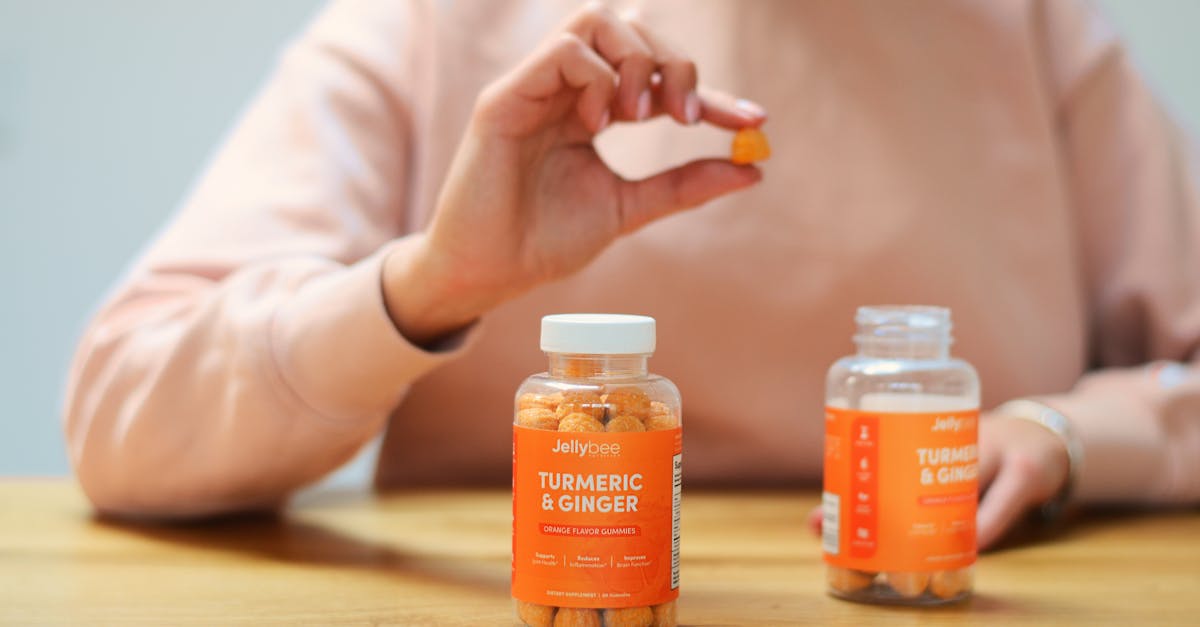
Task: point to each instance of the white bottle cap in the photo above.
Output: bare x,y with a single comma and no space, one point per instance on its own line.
598,334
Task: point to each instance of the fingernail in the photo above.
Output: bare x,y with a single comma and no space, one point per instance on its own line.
750,108
604,119
643,105
691,108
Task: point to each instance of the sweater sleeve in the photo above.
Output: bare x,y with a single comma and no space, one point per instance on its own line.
248,352
1134,188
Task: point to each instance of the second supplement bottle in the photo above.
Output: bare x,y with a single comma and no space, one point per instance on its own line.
901,462
597,444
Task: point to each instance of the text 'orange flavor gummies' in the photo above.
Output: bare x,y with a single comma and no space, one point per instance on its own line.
750,145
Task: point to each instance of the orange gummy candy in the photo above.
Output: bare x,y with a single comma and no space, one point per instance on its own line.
750,145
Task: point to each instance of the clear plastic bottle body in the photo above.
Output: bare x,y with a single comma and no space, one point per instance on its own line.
895,372
587,393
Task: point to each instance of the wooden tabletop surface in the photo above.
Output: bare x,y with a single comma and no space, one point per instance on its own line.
442,558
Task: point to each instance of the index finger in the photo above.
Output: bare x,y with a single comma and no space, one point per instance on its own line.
725,111
721,109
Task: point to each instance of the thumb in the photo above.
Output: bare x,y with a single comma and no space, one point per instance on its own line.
1006,499
680,188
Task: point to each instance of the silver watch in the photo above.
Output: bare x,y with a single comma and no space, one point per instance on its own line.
1056,422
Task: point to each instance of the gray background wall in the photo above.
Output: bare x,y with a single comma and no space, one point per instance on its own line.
108,109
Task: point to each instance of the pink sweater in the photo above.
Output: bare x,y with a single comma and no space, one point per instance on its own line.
1000,158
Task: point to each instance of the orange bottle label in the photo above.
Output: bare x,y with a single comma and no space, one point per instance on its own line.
596,517
900,490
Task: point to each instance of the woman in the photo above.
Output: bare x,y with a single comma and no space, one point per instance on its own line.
419,182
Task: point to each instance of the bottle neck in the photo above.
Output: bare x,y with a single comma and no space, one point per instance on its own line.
893,349
903,332
574,366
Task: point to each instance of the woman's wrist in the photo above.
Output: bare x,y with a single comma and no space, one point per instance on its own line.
1058,424
425,299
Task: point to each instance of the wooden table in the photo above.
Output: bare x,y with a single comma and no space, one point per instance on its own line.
442,558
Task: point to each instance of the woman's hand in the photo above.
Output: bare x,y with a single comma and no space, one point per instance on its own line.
1021,465
528,200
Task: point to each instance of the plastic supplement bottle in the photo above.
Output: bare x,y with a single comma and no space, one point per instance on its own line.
901,462
596,479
